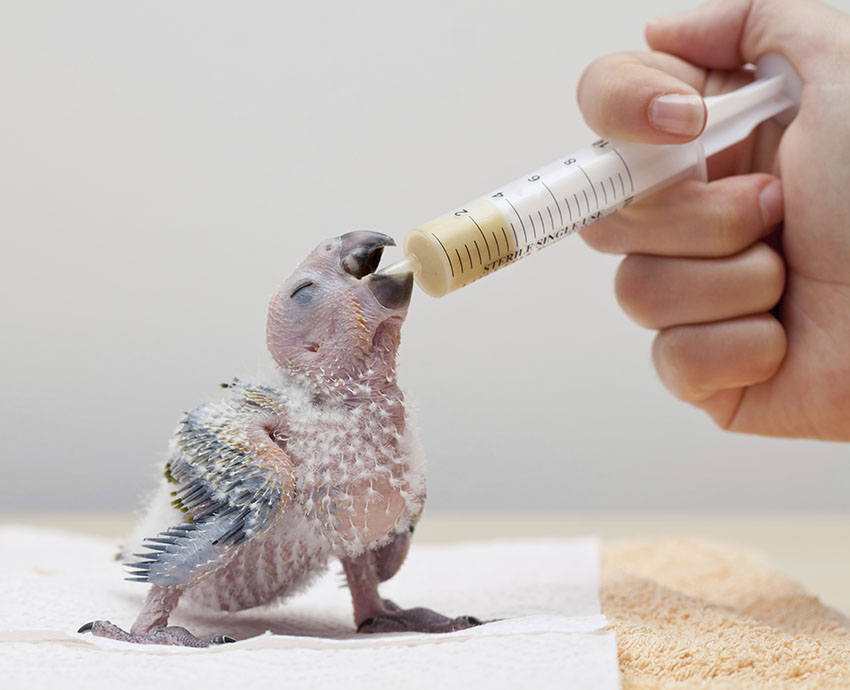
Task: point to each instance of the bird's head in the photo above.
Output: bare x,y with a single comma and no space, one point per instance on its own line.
334,318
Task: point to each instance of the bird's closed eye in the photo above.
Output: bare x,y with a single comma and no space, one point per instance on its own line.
303,293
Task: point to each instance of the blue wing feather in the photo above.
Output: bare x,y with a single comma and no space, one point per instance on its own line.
232,482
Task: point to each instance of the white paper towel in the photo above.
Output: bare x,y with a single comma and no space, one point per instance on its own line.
549,633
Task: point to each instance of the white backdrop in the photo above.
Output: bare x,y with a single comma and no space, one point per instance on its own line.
163,165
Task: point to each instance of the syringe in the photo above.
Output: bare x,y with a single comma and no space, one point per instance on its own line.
569,194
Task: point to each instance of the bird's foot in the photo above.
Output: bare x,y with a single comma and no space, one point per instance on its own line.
396,619
172,635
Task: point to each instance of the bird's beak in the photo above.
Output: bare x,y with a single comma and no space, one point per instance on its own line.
359,255
392,291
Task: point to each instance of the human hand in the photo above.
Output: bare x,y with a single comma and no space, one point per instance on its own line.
708,263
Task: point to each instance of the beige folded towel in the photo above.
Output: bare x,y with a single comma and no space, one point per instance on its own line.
705,616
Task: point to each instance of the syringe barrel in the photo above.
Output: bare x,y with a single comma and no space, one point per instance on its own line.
570,193
542,207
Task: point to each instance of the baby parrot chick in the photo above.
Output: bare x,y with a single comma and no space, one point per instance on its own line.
263,487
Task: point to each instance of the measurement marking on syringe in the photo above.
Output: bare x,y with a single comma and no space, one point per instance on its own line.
459,261
551,220
466,246
621,183
613,189
496,240
557,205
595,195
587,201
522,225
478,249
513,230
533,227
628,172
542,224
507,244
604,191
486,244
578,207
448,258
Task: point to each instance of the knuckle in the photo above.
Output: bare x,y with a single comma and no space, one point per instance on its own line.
727,228
605,235
736,217
675,365
774,263
771,348
636,290
771,269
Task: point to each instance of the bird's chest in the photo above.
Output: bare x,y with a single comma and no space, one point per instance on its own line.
351,475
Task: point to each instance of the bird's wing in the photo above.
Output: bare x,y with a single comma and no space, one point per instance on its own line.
232,479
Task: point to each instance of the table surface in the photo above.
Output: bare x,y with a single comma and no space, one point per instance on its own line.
813,549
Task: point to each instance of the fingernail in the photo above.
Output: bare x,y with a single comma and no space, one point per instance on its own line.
678,113
770,202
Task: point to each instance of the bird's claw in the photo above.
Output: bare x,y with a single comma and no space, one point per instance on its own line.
416,620
172,635
363,624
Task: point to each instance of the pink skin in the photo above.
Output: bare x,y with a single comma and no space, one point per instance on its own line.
348,334
344,333
337,327
370,340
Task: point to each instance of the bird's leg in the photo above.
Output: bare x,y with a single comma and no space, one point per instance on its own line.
151,625
388,558
373,614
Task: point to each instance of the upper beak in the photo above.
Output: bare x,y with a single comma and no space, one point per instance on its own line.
360,252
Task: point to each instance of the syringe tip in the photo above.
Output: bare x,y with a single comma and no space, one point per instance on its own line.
408,264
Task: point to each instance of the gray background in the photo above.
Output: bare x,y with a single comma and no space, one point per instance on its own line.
165,164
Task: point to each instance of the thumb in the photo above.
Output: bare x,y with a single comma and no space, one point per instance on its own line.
725,34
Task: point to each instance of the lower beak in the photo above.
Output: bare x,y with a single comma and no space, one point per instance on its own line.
392,291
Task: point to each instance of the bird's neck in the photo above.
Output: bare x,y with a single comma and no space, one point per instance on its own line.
364,386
